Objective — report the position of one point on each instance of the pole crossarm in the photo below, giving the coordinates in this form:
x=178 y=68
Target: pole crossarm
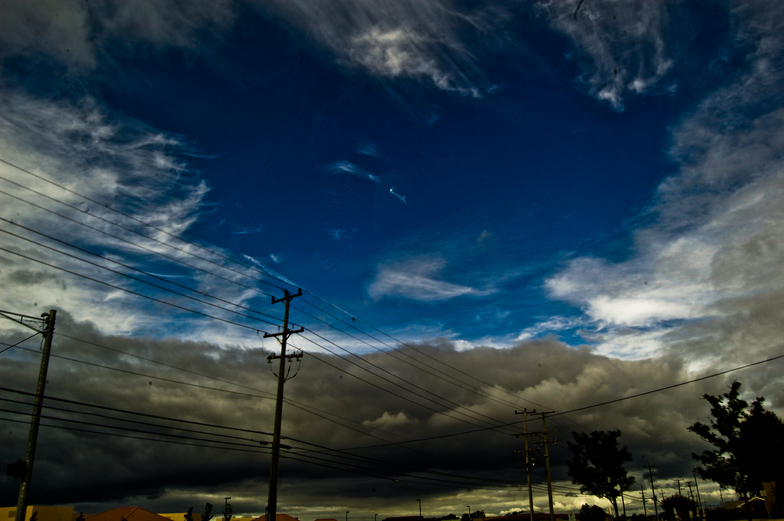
x=281 y=333
x=20 y=320
x=295 y=356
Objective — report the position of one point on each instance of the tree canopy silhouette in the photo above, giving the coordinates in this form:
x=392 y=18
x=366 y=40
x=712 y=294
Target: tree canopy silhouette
x=749 y=443
x=597 y=465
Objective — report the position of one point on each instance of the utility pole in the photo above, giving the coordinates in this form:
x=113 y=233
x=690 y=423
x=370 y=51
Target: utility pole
x=32 y=439
x=699 y=499
x=529 y=462
x=623 y=502
x=644 y=507
x=653 y=490
x=544 y=432
x=546 y=444
x=227 y=510
x=679 y=486
x=691 y=493
x=272 y=502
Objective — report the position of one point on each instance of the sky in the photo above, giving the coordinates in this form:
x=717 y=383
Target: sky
x=489 y=206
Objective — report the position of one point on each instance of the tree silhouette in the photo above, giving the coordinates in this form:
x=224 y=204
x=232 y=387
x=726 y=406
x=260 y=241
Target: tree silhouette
x=592 y=513
x=749 y=443
x=597 y=465
x=678 y=504
x=207 y=515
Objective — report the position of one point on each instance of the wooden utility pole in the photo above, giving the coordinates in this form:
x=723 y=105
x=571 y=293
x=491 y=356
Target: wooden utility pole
x=544 y=432
x=699 y=499
x=272 y=502
x=529 y=461
x=623 y=503
x=546 y=444
x=32 y=439
x=644 y=507
x=653 y=490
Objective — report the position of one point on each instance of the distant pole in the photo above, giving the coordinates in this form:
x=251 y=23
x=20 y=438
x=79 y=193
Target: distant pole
x=623 y=502
x=375 y=518
x=644 y=508
x=32 y=439
x=653 y=490
x=679 y=486
x=469 y=511
x=420 y=508
x=722 y=498
x=272 y=501
x=547 y=464
x=226 y=512
x=529 y=460
x=702 y=514
x=347 y=515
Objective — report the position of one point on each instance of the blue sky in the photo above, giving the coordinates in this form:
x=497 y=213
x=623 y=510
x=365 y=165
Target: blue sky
x=515 y=144
x=595 y=183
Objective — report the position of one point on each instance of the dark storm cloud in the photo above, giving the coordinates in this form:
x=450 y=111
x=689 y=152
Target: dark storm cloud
x=75 y=33
x=543 y=374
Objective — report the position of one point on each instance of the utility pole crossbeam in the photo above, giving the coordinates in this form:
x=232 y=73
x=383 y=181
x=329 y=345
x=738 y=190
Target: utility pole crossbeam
x=32 y=439
x=272 y=501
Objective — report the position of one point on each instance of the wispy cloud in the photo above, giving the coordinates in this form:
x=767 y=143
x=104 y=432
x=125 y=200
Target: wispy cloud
x=622 y=47
x=550 y=325
x=417 y=280
x=413 y=39
x=135 y=193
x=715 y=249
x=347 y=167
x=367 y=148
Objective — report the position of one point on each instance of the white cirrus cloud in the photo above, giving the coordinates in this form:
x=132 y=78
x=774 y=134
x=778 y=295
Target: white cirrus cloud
x=91 y=205
x=416 y=279
x=622 y=48
x=347 y=167
x=422 y=40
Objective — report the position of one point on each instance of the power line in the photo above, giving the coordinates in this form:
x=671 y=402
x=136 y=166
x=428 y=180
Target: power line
x=16 y=344
x=101 y=205
x=209 y=251
x=139 y=246
x=467 y=480
x=483 y=429
x=312 y=355
x=395 y=376
x=113 y=286
x=135 y=278
x=160 y=278
x=167 y=244
x=441 y=375
x=241 y=314
x=305 y=408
